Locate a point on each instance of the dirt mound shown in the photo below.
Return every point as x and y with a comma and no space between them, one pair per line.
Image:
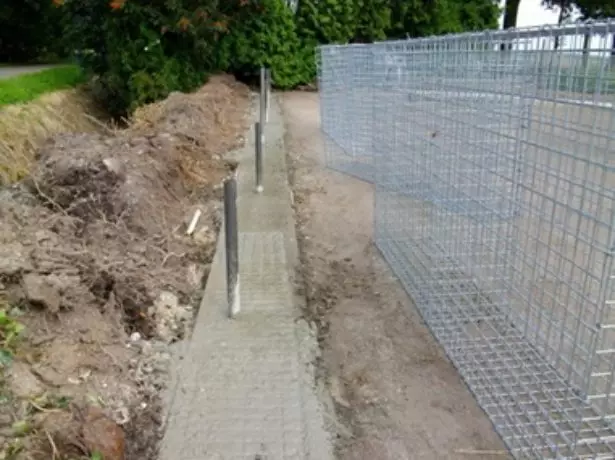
96,263
24,127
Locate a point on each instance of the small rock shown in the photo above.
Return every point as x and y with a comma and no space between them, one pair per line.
23,382
205,236
135,337
13,259
170,317
40,292
146,348
336,389
167,300
122,416
5,420
42,235
196,274
103,435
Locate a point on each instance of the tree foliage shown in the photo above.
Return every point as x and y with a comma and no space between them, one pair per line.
265,34
29,29
373,20
419,18
596,9
327,21
141,50
511,11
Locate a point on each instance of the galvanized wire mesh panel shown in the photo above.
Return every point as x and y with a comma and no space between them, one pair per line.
493,156
345,81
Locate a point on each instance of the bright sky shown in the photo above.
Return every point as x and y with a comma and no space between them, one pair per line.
531,13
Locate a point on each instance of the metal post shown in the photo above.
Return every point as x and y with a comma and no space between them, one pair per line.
263,96
267,94
258,142
231,243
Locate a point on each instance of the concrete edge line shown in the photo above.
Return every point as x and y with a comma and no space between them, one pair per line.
181,349
318,407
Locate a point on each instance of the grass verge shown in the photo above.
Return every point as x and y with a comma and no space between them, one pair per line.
27,87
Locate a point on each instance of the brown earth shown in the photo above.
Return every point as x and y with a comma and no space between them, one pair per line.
25,127
396,395
96,264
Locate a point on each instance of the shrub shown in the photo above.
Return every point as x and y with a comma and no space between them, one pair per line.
30,30
373,20
327,21
420,18
142,50
264,34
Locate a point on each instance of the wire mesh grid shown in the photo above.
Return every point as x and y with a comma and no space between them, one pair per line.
493,159
345,76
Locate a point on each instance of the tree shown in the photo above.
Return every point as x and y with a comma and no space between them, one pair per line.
265,34
419,18
29,29
477,14
373,20
511,11
596,9
141,50
565,7
327,21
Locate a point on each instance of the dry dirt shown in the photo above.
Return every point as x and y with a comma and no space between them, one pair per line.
24,127
96,264
396,394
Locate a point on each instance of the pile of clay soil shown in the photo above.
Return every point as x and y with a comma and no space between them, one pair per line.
96,264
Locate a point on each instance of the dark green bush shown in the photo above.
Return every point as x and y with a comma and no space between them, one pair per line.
343,21
265,34
373,20
420,18
141,50
30,30
327,21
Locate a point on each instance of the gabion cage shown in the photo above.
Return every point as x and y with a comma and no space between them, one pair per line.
493,160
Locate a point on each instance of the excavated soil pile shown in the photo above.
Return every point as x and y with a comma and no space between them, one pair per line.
96,263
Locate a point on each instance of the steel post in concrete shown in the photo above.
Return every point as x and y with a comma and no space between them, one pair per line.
268,93
258,144
231,246
263,96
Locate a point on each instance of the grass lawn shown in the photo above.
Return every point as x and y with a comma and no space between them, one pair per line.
26,87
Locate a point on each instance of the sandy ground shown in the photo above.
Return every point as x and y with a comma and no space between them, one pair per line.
396,394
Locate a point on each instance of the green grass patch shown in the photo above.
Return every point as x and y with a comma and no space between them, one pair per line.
27,87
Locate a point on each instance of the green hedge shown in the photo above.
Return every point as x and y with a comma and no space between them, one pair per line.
141,50
30,31
26,87
265,34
